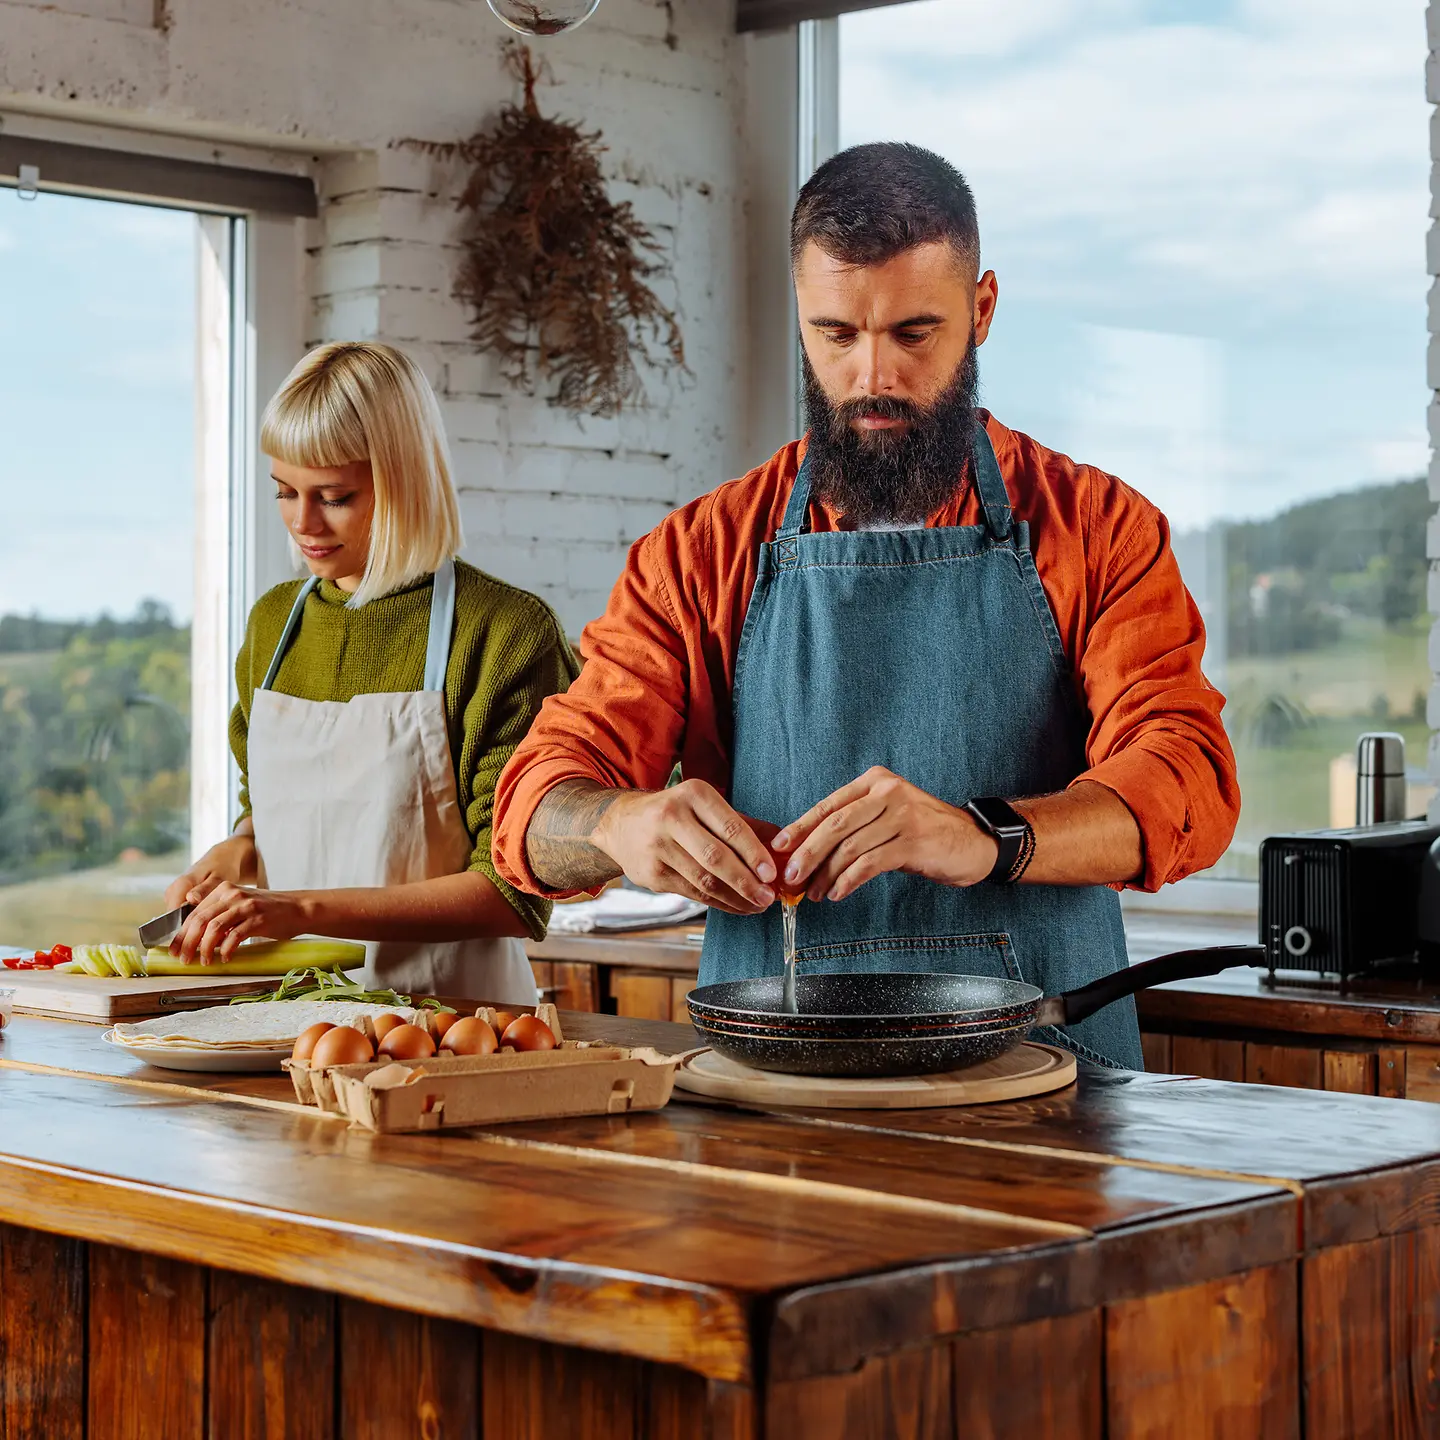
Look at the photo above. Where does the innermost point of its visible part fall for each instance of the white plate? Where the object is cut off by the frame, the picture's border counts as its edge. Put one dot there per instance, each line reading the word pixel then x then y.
pixel 217 1062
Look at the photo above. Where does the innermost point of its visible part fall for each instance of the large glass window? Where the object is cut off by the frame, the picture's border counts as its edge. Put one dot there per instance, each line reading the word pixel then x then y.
pixel 1208 221
pixel 98 390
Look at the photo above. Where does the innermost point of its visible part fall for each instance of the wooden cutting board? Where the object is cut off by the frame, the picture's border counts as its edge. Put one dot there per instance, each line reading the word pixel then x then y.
pixel 84 997
pixel 1029 1069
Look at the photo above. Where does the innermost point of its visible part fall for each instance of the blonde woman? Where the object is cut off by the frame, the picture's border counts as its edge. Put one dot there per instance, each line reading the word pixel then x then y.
pixel 379 701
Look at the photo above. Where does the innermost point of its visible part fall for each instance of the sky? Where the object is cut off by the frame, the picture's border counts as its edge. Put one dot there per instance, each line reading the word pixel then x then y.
pixel 1207 218
pixel 97 386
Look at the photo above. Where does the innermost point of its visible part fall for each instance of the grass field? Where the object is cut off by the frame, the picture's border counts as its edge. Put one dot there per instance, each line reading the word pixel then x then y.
pixel 87 907
pixel 1370 680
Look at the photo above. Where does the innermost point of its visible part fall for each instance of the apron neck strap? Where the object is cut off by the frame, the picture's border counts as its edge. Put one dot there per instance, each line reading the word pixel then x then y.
pixel 798 506
pixel 437 644
pixel 989 484
pixel 442 625
pixel 288 633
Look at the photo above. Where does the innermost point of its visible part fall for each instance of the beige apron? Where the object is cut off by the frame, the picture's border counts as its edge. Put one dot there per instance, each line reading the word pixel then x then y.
pixel 362 793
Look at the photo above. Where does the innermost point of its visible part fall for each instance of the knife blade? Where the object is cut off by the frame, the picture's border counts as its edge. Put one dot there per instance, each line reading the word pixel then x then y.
pixel 163 928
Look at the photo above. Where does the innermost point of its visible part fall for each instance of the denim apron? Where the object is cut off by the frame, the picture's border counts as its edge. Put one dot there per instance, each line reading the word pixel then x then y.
pixel 934 653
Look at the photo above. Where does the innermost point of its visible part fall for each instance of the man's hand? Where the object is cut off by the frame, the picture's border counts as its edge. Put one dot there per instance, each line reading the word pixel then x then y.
pixel 688 841
pixel 685 840
pixel 230 913
pixel 880 823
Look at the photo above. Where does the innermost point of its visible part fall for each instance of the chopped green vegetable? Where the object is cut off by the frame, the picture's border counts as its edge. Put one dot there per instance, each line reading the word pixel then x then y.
pixel 313 984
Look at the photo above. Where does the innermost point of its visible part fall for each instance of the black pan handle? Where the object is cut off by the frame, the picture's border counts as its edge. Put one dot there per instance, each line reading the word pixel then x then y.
pixel 1075 1005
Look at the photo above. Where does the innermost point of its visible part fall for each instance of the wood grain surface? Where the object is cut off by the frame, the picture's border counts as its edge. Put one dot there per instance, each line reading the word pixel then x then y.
pixel 43 1288
pixel 1039 1381
pixel 1211 1362
pixel 1372 1339
pixel 851 1258
pixel 1028 1069
pixel 271 1360
pixel 146 1347
pixel 1397 1012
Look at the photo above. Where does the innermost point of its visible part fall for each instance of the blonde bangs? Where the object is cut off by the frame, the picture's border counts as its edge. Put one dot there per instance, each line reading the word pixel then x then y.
pixel 361 400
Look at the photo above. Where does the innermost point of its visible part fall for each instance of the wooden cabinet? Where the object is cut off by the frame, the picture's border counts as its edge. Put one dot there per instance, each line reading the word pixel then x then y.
pixel 1232 1027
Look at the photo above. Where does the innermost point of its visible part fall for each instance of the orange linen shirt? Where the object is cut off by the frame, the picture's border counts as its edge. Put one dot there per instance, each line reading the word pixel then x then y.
pixel 659 663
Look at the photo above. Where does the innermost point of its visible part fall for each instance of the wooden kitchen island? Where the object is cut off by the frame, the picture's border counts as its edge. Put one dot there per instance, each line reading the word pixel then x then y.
pixel 1134 1256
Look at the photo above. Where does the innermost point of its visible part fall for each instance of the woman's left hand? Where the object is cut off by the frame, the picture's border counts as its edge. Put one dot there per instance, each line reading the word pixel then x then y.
pixel 232 913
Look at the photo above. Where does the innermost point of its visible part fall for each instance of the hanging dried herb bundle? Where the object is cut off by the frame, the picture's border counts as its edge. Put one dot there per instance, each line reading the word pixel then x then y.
pixel 554 271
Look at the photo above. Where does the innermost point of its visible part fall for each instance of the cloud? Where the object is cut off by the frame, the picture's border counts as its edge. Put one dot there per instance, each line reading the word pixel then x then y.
pixel 1259 156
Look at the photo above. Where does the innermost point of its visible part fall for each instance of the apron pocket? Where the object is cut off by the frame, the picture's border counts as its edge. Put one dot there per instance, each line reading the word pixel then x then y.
pixel 992 955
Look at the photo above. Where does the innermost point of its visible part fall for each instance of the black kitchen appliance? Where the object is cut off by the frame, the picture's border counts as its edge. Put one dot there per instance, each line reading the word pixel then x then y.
pixel 1340 905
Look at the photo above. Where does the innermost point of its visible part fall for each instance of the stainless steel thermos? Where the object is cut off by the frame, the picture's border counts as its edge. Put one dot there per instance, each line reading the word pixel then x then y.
pixel 1379 778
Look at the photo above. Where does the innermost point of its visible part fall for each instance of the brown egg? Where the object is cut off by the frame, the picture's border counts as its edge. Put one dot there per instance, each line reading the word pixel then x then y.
pixel 470 1036
pixel 504 1019
pixel 441 1021
pixel 407 1042
pixel 384 1024
pixel 305 1041
pixel 528 1033
pixel 341 1045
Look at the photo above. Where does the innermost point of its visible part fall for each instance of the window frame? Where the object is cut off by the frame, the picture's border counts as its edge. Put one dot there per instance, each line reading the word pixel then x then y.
pixel 250 211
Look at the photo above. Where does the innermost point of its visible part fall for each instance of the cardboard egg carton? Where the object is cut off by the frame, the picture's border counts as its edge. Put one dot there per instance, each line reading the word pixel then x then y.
pixel 446 1091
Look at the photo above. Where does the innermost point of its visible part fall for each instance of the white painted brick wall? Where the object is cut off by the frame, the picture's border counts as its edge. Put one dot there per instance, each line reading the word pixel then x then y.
pixel 550 501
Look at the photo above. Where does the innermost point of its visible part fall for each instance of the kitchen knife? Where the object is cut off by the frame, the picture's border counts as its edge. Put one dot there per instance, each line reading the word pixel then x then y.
pixel 163 929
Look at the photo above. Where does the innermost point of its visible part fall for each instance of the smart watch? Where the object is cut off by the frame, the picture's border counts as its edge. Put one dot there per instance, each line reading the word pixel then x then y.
pixel 1012 834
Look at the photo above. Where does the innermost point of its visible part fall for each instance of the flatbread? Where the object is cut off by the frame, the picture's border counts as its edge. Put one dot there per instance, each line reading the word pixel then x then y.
pixel 260 1025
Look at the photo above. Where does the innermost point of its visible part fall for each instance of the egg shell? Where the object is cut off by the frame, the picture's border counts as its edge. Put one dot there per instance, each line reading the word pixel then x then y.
pixel 765 832
pixel 470 1036
pixel 306 1040
pixel 407 1042
pixel 441 1021
pixel 384 1024
pixel 341 1045
pixel 504 1019
pixel 528 1033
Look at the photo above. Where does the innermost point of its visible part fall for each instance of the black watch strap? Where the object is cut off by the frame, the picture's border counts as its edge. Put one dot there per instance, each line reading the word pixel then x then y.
pixel 1013 836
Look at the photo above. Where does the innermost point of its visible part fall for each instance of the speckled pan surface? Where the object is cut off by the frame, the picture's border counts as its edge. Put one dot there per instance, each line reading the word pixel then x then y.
pixel 859 1002
pixel 814 1055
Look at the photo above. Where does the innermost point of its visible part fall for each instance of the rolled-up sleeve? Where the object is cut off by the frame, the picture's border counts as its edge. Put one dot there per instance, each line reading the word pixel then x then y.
pixel 620 724
pixel 1156 737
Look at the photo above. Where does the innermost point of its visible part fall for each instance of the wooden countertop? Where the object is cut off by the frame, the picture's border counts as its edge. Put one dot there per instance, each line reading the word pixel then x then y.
pixel 1399 1012
pixel 672 1236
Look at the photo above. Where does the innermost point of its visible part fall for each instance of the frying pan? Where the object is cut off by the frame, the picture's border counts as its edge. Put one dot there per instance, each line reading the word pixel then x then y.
pixel 910 1023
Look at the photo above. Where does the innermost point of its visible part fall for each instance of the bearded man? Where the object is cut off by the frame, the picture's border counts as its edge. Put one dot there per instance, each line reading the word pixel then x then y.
pixel 961 671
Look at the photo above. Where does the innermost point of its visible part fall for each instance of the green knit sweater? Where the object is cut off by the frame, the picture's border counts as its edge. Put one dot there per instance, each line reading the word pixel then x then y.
pixel 507 654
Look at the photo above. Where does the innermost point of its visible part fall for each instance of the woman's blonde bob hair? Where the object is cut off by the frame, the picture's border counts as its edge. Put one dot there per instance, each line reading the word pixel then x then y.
pixel 359 400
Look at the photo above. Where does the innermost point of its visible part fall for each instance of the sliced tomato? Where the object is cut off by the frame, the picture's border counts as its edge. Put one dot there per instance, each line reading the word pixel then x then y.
pixel 61 955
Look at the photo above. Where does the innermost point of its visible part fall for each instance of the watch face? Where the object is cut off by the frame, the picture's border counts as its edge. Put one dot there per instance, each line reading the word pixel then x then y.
pixel 999 815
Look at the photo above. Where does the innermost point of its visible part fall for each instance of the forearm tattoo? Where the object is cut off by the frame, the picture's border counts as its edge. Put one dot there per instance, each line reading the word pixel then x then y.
pixel 557 843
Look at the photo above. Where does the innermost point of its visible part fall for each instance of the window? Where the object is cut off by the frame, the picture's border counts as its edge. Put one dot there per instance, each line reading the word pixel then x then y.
pixel 1208 221
pixel 115 338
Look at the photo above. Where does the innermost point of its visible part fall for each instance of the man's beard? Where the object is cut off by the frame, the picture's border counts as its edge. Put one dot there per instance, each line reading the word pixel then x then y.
pixel 891 477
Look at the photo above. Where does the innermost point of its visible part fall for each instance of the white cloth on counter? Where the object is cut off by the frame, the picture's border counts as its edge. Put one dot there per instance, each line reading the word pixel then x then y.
pixel 623 909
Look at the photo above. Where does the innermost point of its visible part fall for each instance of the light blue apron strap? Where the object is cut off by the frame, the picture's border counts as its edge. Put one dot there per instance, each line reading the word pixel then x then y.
pixel 442 625
pixel 990 485
pixel 799 505
pixel 297 610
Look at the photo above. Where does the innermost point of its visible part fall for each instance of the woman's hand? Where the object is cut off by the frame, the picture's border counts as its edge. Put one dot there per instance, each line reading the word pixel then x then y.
pixel 228 913
pixel 234 859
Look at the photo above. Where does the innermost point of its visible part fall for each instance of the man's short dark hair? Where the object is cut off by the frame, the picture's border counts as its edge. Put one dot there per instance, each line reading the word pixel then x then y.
pixel 869 203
